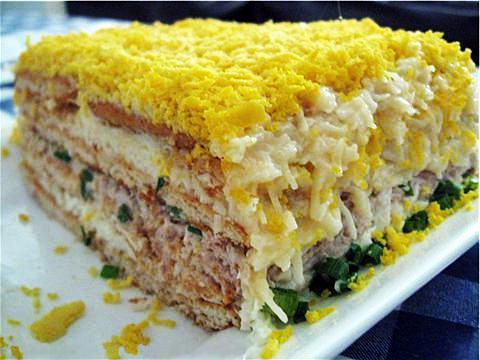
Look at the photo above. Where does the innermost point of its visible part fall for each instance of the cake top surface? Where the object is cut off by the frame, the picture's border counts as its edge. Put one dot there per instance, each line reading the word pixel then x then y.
pixel 217 80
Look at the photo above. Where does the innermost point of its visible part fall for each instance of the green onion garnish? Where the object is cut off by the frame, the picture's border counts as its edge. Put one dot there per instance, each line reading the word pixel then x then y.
pixel 86 237
pixel 416 222
pixel 194 230
pixel 354 255
pixel 124 214
pixel 85 177
pixel 174 212
pixel 110 272
pixel 334 268
pixel 320 282
pixel 287 299
pixel 160 184
pixel 299 315
pixel 446 193
pixel 470 184
pixel 373 253
pixel 407 188
pixel 62 154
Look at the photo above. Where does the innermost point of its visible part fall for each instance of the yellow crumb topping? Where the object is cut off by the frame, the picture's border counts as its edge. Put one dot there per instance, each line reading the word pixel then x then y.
pixel 5 152
pixel 93 271
pixel 23 218
pixel 165 322
pixel 55 323
pixel 214 80
pixel 34 293
pixel 87 216
pixel 2 342
pixel 52 296
pixel 13 322
pixel 58 250
pixel 313 316
pixel 111 298
pixel 16 353
pixel 325 294
pixel 119 283
pixel 130 338
pixel 275 339
pixel 399 242
pixel 362 280
pixel 15 135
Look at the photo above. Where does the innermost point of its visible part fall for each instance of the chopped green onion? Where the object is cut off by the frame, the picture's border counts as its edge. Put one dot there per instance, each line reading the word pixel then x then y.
pixel 299 315
pixel 110 272
pixel 124 214
pixel 174 212
pixel 407 188
pixel 372 254
pixel 85 177
pixel 470 184
pixel 194 230
pixel 334 268
pixel 86 237
pixel 62 154
pixel 446 193
pixel 287 300
pixel 341 286
pixel 416 222
pixel 320 282
pixel 354 255
pixel 160 184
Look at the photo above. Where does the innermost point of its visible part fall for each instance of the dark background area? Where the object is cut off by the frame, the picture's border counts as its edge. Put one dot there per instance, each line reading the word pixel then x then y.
pixel 457 19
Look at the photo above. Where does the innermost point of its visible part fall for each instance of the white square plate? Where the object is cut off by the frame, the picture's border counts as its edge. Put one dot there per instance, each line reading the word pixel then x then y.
pixel 27 258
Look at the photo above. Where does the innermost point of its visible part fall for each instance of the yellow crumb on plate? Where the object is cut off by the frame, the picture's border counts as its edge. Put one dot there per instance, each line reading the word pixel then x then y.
pixel 31 292
pixel 58 250
pixel 362 280
pixel 325 294
pixel 5 152
pixel 34 293
pixel 13 322
pixel 52 296
pixel 164 322
pixel 111 298
pixel 16 353
pixel 313 316
pixel 92 271
pixel 14 138
pixel 116 284
pixel 55 323
pixel 2 342
pixel 130 338
pixel 275 339
pixel 23 218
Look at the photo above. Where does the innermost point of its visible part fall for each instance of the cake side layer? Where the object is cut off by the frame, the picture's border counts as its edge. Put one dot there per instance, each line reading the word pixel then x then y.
pixel 194 183
pixel 198 274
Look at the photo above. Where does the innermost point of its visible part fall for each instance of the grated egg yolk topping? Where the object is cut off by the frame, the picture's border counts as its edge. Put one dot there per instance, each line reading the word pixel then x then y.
pixel 213 80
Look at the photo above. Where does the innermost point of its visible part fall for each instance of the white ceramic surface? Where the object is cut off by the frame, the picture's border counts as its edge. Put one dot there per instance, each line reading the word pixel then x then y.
pixel 27 258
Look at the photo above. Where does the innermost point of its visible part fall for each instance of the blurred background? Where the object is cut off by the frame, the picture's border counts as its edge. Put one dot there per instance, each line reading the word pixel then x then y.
pixel 457 19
